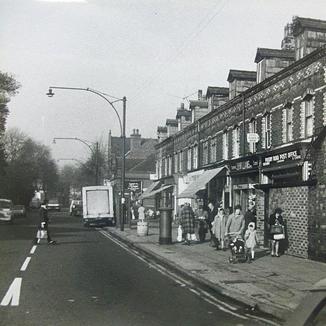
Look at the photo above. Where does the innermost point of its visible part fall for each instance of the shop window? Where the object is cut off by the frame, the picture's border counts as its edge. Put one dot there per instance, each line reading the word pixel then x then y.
pixel 225 145
pixel 195 157
pixel 189 159
pixel 236 142
pixel 252 130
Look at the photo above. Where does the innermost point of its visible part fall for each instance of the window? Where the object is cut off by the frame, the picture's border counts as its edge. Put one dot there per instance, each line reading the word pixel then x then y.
pixel 213 150
pixel 289 123
pixel 308 117
pixel 205 153
pixel 170 165
pixel 189 159
pixel 180 161
pixel 225 145
pixel 266 130
pixel 236 141
pixel 176 163
pixel 252 130
pixel 195 157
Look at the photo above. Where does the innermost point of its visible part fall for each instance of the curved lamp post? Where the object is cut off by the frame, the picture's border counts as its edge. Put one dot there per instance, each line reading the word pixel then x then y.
pixel 122 129
pixel 87 143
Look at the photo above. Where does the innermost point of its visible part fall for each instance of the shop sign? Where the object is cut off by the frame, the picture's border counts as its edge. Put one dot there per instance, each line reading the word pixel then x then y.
pixel 244 165
pixel 288 156
pixel 252 137
pixel 242 186
pixel 134 186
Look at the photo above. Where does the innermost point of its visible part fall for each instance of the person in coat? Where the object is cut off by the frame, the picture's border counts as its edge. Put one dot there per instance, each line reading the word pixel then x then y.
pixel 212 211
pixel 251 240
pixel 235 224
pixel 202 217
pixel 187 222
pixel 218 228
pixel 275 219
pixel 250 215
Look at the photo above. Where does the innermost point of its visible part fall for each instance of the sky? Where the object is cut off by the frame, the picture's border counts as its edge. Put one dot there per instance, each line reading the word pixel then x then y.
pixel 154 52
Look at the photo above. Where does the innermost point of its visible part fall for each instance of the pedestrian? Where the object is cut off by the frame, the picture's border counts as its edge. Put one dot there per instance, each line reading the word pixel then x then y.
pixel 202 216
pixel 218 228
pixel 235 224
pixel 141 212
pixel 276 231
pixel 211 216
pixel 43 226
pixel 251 240
pixel 250 215
pixel 187 223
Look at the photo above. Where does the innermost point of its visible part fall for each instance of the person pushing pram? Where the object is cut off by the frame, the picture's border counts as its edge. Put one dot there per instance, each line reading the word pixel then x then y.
pixel 234 233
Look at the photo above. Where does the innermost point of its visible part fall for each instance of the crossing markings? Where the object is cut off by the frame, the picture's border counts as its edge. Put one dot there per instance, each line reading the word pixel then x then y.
pixel 33 250
pixel 25 264
pixel 13 294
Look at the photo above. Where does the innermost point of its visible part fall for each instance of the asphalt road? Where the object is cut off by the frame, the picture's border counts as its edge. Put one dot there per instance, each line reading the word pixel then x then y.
pixel 88 279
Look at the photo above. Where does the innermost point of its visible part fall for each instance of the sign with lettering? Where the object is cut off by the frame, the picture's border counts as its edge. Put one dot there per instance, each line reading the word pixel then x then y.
pixel 134 186
pixel 252 137
pixel 244 165
pixel 293 155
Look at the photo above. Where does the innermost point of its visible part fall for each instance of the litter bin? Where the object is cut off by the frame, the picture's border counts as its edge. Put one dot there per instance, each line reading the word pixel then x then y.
pixel 165 225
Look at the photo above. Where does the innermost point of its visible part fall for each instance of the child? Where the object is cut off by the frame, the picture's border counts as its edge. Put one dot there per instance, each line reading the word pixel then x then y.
pixel 251 239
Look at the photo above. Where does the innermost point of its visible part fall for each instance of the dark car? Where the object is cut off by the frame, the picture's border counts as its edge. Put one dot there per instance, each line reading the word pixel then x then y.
pixel 53 205
pixel 312 310
pixel 19 210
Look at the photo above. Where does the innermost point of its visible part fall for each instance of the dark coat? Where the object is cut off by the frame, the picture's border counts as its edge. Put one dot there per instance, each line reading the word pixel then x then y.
pixel 187 220
pixel 250 216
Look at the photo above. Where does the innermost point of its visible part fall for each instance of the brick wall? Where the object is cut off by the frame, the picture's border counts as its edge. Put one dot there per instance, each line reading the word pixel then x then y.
pixel 260 210
pixel 294 203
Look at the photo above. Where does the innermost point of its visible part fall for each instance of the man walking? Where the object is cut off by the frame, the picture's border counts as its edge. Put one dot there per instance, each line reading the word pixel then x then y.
pixel 44 224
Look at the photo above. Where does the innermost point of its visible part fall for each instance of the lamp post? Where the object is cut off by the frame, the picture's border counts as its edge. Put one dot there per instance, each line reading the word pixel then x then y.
pixel 87 143
pixel 122 124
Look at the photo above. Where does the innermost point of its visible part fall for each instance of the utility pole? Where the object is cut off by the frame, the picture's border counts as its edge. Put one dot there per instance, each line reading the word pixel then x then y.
pixel 123 200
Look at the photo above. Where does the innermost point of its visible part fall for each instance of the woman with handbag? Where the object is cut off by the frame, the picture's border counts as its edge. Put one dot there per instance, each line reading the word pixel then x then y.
pixel 276 230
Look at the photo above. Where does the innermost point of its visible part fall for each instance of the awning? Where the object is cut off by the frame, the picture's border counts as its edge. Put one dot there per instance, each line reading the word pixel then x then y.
pixel 152 187
pixel 200 183
pixel 156 191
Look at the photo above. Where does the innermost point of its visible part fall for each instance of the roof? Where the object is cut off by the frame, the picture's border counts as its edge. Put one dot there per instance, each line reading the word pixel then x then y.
pixel 300 24
pixel 241 75
pixel 214 90
pixel 263 53
pixel 202 104
pixel 147 165
pixel 183 113
pixel 162 129
pixel 173 122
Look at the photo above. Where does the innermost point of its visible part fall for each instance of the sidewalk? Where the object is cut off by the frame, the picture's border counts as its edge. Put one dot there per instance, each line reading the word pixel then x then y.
pixel 275 285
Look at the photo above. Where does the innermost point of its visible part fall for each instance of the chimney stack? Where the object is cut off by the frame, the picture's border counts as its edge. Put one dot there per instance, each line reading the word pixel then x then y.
pixel 200 95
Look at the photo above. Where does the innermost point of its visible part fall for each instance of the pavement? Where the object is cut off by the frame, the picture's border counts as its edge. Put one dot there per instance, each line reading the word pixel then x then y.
pixel 270 284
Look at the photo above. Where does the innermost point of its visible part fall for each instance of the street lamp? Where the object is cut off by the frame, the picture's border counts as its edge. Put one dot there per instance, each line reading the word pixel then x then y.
pixel 87 143
pixel 50 93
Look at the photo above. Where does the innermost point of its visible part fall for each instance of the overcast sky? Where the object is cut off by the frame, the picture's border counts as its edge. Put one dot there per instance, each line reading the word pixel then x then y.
pixel 154 52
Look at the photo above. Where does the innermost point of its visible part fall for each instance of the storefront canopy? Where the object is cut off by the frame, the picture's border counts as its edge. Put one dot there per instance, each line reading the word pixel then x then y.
pixel 155 191
pixel 153 186
pixel 200 183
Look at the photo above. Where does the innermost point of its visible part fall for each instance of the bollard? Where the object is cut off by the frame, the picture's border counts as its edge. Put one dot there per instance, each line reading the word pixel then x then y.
pixel 165 225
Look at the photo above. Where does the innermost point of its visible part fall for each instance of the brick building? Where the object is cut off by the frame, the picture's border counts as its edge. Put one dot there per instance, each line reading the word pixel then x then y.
pixel 265 142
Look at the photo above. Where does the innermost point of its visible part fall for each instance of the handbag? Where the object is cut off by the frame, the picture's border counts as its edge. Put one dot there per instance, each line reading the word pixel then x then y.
pixel 280 236
pixel 276 229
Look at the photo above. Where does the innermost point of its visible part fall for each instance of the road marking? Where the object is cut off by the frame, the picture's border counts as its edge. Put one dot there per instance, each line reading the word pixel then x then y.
pixel 217 303
pixel 33 250
pixel 13 293
pixel 26 262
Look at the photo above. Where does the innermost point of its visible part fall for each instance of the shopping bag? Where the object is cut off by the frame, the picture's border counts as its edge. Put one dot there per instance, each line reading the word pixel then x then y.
pixel 276 229
pixel 179 234
pixel 280 236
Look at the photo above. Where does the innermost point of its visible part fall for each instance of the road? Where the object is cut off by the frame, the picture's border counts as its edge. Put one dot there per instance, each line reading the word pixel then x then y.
pixel 89 279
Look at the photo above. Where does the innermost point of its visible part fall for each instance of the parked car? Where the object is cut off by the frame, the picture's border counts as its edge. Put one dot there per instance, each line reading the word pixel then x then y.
pixel 19 210
pixel 53 205
pixel 6 213
pixel 312 310
pixel 76 208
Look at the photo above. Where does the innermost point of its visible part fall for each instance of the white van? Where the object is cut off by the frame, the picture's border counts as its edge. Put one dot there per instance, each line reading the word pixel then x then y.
pixel 6 210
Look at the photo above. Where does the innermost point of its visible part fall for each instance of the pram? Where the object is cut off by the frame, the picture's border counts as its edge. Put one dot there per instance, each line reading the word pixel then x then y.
pixel 238 249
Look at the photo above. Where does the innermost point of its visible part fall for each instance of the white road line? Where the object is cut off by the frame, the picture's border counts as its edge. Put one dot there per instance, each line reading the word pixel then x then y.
pixel 33 250
pixel 220 305
pixel 26 262
pixel 13 293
